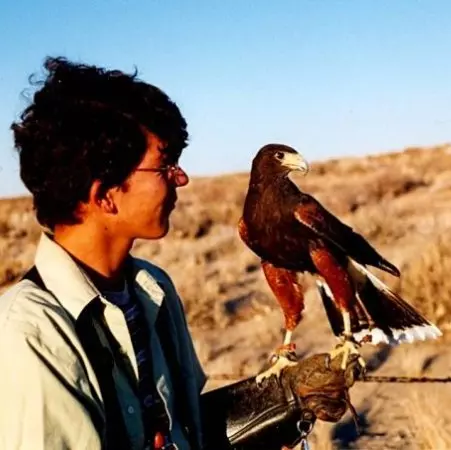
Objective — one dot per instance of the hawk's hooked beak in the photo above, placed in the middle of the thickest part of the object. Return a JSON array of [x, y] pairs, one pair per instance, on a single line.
[[295, 161]]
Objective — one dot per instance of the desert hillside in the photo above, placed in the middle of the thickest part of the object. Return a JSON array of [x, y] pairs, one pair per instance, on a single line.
[[400, 201]]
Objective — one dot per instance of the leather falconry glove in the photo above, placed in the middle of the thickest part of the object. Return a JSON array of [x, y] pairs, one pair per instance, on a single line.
[[246, 416]]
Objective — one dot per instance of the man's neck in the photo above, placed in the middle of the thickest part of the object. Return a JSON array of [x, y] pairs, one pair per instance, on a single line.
[[100, 255]]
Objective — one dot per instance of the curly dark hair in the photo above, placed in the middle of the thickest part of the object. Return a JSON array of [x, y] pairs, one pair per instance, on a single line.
[[85, 123]]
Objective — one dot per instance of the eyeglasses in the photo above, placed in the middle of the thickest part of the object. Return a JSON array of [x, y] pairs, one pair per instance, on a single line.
[[169, 169]]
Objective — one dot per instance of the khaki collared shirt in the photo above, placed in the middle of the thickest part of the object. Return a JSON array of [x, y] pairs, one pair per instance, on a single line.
[[48, 389]]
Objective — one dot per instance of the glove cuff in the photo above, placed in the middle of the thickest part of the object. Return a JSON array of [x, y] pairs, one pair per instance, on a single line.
[[248, 416]]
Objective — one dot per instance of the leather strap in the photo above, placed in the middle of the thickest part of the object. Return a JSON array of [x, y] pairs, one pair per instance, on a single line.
[[102, 362], [181, 400]]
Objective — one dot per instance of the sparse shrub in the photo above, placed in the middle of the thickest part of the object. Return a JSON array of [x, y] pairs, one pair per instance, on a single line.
[[426, 280], [5, 228], [380, 225]]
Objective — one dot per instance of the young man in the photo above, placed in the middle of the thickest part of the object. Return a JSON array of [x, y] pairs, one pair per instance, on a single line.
[[94, 347]]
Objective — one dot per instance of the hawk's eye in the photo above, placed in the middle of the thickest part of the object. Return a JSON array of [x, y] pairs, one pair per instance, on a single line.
[[279, 155]]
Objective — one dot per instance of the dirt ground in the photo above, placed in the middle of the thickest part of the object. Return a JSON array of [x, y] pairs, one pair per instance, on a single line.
[[400, 201]]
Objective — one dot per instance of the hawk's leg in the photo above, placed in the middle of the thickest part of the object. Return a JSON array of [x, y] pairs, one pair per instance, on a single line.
[[287, 339], [341, 286], [288, 292], [348, 346]]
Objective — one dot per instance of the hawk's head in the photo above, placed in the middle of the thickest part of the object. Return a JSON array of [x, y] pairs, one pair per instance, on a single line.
[[279, 159]]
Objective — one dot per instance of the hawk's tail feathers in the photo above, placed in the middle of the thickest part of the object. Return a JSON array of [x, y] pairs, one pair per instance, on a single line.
[[378, 315]]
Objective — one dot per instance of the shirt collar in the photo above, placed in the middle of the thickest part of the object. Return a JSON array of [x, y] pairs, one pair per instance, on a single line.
[[73, 288]]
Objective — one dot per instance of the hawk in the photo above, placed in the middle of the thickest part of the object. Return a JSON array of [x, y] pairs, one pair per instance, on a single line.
[[292, 233]]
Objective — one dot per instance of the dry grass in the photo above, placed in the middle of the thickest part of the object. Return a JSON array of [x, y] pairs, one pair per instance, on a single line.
[[430, 427], [426, 280], [429, 420]]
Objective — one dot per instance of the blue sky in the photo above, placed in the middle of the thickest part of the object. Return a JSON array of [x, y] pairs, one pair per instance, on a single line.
[[331, 78]]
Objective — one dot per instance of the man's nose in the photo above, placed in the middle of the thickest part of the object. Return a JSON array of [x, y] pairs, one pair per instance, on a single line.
[[181, 178]]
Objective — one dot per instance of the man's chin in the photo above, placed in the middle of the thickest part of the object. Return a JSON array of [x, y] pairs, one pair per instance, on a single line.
[[153, 231], [159, 233]]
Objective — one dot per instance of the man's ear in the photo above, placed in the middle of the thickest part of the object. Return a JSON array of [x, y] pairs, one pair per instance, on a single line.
[[101, 198]]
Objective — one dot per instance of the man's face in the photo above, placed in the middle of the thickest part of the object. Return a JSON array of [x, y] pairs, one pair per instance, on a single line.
[[148, 197]]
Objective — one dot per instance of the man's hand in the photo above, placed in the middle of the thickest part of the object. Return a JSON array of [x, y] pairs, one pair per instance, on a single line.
[[251, 416]]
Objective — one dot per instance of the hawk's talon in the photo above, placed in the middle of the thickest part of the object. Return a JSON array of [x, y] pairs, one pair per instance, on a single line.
[[276, 369], [348, 346], [283, 357]]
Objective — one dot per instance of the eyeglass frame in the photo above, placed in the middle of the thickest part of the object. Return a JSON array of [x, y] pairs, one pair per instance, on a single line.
[[168, 168]]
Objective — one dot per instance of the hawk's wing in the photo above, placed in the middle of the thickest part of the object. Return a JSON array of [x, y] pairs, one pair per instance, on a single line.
[[311, 214], [314, 216]]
